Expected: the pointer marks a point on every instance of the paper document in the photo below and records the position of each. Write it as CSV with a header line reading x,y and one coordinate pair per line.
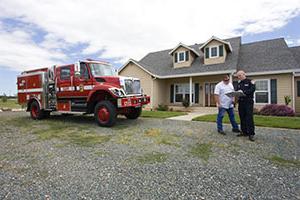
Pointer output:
x,y
236,94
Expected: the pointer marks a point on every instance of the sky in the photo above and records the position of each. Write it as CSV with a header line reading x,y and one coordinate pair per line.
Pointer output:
x,y
39,33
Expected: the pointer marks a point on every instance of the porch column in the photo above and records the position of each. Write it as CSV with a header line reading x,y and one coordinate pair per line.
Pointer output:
x,y
191,90
230,77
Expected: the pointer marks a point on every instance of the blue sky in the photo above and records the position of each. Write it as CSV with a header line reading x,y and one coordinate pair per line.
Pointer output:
x,y
35,34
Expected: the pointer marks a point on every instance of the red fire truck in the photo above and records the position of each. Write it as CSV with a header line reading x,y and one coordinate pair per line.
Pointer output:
x,y
86,87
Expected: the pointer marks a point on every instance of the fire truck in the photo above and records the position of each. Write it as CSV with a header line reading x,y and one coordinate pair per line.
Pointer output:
x,y
86,87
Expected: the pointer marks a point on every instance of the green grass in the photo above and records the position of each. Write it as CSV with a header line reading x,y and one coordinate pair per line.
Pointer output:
x,y
284,162
259,120
69,132
202,151
10,104
151,158
162,139
161,114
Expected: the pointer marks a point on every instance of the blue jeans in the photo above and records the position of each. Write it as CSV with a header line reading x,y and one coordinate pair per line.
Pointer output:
x,y
221,113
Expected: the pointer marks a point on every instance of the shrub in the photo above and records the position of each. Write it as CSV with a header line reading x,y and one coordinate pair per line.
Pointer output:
x,y
277,110
287,100
186,103
162,107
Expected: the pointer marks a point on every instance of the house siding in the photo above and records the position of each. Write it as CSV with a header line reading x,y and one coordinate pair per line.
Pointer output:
x,y
284,86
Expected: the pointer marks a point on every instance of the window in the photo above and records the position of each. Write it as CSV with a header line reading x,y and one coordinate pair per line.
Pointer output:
x,y
298,88
213,52
65,73
182,91
262,92
181,56
84,73
98,69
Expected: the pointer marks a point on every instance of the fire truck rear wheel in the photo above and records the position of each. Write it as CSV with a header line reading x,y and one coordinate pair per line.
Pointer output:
x,y
35,111
133,113
105,113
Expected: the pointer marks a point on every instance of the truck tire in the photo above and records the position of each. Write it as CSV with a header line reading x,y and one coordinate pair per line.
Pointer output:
x,y
105,113
35,111
133,113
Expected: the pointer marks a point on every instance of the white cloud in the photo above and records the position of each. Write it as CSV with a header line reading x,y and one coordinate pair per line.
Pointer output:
x,y
122,29
18,52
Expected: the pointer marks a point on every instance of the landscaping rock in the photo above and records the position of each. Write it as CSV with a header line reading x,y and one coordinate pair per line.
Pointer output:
x,y
143,159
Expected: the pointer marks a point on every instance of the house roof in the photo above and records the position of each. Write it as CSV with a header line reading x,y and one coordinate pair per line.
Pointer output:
x,y
185,46
270,56
161,62
227,44
296,53
266,56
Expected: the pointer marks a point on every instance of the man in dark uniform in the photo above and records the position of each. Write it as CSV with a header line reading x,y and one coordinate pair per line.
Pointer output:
x,y
246,105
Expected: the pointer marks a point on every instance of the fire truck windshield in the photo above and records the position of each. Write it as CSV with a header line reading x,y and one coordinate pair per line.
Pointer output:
x,y
98,69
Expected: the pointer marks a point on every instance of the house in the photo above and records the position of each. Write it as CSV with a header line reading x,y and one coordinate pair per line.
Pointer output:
x,y
191,72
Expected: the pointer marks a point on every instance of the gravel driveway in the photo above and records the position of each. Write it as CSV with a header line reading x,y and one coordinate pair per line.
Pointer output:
x,y
72,158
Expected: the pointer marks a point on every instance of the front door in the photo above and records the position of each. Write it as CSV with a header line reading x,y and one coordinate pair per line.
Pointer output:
x,y
209,94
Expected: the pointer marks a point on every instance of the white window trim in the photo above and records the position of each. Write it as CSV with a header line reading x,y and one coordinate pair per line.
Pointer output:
x,y
269,92
210,49
184,58
174,92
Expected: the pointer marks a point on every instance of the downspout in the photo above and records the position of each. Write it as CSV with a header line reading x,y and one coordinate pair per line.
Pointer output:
x,y
293,90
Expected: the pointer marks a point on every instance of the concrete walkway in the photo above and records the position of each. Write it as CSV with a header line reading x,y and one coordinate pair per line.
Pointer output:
x,y
196,113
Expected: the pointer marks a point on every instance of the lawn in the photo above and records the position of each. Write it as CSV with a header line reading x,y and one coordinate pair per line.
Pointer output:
x,y
161,114
10,104
266,121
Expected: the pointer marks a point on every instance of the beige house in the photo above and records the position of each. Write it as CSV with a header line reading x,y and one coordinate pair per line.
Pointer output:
x,y
191,72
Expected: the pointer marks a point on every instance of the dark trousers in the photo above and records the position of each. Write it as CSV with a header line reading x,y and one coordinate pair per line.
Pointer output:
x,y
246,117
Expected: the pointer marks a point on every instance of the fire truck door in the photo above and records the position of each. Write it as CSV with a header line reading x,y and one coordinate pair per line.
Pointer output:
x,y
65,81
83,83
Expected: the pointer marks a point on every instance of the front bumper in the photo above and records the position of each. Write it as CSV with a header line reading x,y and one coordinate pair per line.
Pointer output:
x,y
133,101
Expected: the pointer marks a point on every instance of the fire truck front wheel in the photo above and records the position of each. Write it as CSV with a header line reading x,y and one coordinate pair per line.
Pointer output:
x,y
105,113
133,113
35,111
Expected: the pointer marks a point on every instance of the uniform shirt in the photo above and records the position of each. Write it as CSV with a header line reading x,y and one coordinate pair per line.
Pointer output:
x,y
222,89
248,87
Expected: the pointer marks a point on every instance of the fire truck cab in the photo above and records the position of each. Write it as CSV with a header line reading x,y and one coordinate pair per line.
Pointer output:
x,y
86,87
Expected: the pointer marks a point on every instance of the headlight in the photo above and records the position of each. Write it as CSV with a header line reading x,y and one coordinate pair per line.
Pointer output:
x,y
118,92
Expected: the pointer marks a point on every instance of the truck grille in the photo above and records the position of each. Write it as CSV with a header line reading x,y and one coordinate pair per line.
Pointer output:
x,y
132,86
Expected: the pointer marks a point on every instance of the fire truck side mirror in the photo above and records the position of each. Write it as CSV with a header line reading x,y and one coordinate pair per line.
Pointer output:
x,y
77,69
77,74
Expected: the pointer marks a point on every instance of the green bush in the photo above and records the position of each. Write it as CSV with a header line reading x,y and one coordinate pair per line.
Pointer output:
x,y
287,100
186,103
162,107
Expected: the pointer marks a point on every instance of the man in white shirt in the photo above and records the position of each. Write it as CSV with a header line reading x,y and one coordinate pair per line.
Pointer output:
x,y
225,104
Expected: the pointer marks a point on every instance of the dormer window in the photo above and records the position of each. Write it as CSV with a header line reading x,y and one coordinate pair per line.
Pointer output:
x,y
214,51
181,56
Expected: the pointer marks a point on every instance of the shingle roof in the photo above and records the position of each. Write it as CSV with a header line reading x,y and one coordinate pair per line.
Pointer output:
x,y
264,56
161,63
296,53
